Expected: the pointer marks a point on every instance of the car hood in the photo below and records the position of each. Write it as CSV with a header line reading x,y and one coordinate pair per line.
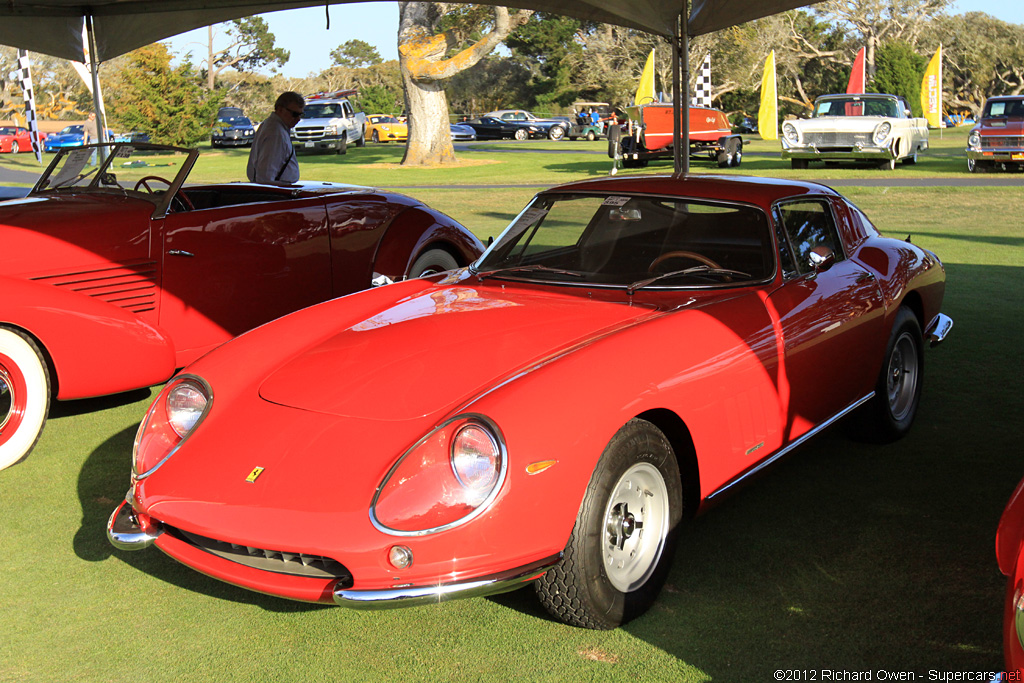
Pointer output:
x,y
840,124
1002,126
387,366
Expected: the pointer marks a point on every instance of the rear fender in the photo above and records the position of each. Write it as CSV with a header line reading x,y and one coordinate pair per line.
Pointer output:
x,y
417,229
96,348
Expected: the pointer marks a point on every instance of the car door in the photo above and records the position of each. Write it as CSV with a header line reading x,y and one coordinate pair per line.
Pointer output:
x,y
229,269
829,318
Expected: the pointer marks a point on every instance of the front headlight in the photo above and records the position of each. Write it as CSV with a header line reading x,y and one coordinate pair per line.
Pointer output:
x,y
881,133
790,132
331,130
175,414
449,477
974,140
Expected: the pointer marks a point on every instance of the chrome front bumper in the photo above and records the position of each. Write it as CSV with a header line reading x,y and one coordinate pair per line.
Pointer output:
x,y
411,596
938,329
124,531
815,154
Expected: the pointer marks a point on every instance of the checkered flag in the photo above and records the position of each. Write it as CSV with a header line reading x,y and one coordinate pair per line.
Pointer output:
x,y
25,77
702,88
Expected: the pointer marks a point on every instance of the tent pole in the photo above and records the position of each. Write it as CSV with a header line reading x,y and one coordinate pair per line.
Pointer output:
x,y
97,94
681,89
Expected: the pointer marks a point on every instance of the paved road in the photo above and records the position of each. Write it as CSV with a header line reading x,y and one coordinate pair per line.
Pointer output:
x,y
9,176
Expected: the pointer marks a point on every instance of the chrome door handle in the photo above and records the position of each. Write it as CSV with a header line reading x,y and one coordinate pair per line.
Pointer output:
x,y
180,252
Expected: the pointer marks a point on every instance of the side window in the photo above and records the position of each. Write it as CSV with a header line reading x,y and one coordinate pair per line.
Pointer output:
x,y
346,110
806,225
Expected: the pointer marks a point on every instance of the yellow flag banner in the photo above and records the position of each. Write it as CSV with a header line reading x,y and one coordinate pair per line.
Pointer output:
x,y
931,90
645,93
768,114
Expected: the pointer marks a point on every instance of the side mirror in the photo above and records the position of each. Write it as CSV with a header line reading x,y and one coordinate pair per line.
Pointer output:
x,y
821,259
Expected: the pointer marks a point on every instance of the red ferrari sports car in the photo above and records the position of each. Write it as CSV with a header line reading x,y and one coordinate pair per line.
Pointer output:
x,y
14,139
628,351
115,272
1010,554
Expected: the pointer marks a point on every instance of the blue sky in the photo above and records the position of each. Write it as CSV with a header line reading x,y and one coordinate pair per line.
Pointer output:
x,y
304,32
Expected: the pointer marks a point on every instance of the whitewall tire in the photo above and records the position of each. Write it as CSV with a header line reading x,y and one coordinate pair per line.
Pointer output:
x,y
24,395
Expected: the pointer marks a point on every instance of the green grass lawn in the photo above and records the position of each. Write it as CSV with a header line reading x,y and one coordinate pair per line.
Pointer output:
x,y
846,557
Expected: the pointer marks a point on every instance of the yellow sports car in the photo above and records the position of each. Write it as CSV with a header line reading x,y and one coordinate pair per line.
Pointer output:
x,y
384,128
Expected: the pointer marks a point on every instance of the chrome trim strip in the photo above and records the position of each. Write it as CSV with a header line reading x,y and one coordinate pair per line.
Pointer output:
x,y
162,396
938,329
786,449
124,534
411,596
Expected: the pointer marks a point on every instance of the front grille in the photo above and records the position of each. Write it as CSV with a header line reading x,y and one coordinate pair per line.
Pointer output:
x,y
1002,142
277,561
308,133
131,286
837,140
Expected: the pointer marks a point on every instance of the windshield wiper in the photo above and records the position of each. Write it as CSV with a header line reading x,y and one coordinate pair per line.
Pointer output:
x,y
695,270
80,176
528,269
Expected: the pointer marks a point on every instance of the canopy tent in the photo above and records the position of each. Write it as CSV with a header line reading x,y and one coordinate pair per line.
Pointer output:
x,y
115,27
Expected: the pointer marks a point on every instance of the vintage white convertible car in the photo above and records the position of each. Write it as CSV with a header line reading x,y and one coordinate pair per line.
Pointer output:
x,y
867,127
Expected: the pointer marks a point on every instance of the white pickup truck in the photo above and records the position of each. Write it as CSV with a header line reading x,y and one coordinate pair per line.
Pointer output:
x,y
329,124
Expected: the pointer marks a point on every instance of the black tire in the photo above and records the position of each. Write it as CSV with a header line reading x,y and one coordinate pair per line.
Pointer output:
x,y
361,142
889,415
909,160
431,262
343,144
14,147
590,136
888,165
610,573
375,137
24,395
521,134
978,166
556,133
798,164
614,141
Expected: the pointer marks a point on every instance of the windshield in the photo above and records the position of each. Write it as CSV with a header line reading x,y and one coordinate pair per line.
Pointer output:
x,y
857,106
625,241
148,170
1004,108
236,121
322,111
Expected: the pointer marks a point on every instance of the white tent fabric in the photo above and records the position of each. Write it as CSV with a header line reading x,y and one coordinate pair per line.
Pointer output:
x,y
54,27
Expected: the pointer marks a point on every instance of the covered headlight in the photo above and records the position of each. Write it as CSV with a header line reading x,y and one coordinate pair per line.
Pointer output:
x,y
881,133
175,414
790,133
449,477
974,140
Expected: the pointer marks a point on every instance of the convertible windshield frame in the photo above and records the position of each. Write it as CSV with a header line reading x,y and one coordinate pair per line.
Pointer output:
x,y
95,169
614,240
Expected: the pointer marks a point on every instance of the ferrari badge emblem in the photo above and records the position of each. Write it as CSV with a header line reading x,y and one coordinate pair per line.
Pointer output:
x,y
254,475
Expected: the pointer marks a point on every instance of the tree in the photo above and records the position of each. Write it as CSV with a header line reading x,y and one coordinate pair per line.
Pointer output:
x,y
251,47
149,96
426,64
899,72
878,21
355,53
548,44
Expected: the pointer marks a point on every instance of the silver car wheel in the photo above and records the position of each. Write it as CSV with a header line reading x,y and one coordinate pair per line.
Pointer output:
x,y
902,376
636,526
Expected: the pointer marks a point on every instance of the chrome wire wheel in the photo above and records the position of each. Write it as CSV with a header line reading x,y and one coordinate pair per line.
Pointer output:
x,y
636,526
902,377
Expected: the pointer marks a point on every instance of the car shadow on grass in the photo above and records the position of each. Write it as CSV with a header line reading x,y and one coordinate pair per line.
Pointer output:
x,y
102,483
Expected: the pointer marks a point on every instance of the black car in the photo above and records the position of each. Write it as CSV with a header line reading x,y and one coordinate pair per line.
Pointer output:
x,y
232,131
490,128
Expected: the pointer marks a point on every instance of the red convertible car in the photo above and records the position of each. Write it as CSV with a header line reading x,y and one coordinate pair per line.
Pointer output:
x,y
628,351
115,273
1010,554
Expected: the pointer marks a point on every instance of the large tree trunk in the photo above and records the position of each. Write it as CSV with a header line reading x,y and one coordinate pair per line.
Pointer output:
x,y
425,68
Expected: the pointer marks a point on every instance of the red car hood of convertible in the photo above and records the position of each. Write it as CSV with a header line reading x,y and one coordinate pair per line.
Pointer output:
x,y
1013,125
438,349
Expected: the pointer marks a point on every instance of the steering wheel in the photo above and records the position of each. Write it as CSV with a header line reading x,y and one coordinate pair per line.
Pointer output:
x,y
144,183
180,197
692,255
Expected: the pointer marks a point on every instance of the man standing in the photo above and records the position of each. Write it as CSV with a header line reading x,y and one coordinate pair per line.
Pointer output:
x,y
272,157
